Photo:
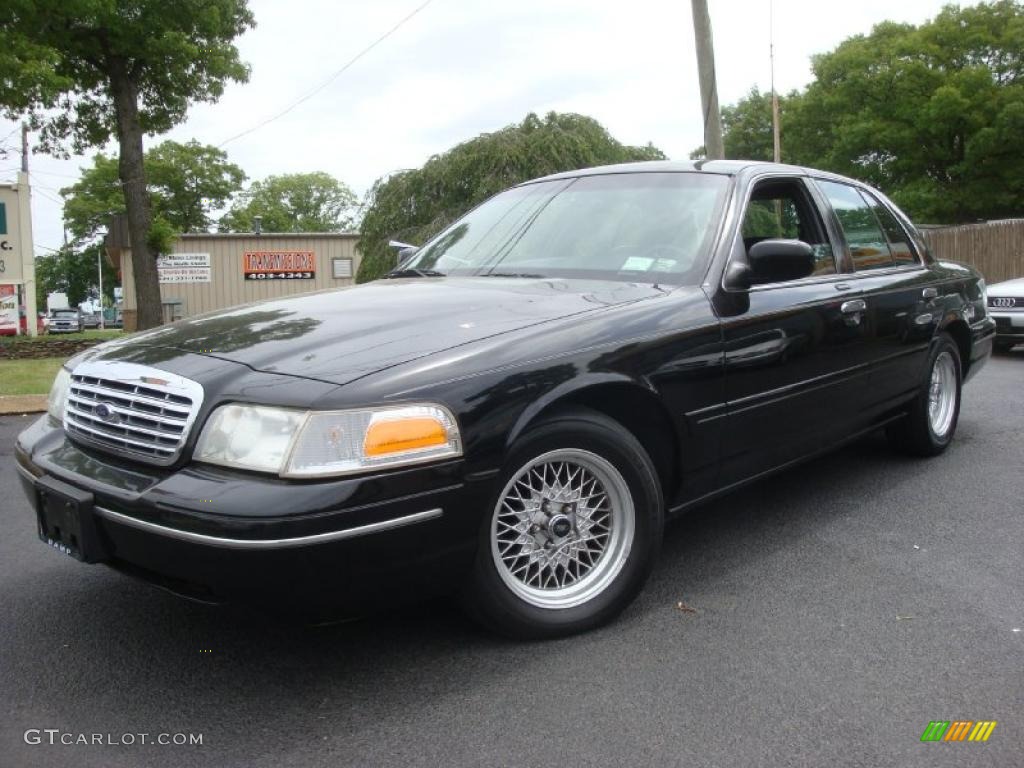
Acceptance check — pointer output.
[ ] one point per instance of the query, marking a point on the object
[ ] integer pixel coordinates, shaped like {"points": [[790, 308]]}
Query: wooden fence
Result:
{"points": [[994, 247]]}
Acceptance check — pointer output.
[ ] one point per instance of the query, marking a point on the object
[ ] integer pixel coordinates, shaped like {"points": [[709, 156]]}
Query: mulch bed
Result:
{"points": [[21, 404], [35, 350]]}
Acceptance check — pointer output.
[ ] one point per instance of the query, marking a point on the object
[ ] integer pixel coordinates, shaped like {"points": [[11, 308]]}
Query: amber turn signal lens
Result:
{"points": [[384, 437]]}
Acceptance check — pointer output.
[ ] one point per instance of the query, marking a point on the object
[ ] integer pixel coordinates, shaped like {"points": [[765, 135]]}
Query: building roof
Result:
{"points": [[250, 235]]}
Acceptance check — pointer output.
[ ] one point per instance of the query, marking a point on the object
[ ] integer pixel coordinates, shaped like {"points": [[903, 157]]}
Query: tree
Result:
{"points": [[186, 182], [931, 114], [295, 202], [414, 205], [74, 272], [86, 70], [747, 126]]}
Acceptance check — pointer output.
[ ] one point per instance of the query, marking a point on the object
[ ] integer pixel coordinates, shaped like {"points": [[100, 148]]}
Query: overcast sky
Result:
{"points": [[462, 67]]}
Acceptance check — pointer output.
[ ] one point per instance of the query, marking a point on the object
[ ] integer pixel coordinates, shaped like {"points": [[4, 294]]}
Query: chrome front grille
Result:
{"points": [[131, 410]]}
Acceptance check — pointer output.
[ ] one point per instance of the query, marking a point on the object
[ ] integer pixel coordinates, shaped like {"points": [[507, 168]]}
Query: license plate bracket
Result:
{"points": [[66, 520]]}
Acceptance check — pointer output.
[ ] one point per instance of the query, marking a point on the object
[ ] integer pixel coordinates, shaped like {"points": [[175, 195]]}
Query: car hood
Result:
{"points": [[341, 335], [1014, 288]]}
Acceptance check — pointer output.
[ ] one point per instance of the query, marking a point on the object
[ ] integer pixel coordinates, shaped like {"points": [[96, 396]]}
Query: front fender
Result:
{"points": [[572, 388]]}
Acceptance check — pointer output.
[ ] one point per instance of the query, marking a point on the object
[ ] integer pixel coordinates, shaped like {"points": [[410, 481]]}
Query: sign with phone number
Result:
{"points": [[280, 275], [279, 265]]}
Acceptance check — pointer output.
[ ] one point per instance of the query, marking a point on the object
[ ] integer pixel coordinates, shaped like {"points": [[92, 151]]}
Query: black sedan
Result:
{"points": [[514, 413]]}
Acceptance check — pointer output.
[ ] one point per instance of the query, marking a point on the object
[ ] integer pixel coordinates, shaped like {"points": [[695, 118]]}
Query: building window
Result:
{"points": [[341, 268]]}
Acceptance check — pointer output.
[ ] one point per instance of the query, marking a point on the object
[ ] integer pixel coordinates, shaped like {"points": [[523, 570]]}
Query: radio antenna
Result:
{"points": [[776, 145]]}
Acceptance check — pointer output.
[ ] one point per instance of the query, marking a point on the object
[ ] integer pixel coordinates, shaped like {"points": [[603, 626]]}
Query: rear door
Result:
{"points": [[795, 361], [898, 291]]}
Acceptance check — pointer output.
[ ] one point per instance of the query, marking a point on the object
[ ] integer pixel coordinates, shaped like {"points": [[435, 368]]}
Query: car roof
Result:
{"points": [[719, 167]]}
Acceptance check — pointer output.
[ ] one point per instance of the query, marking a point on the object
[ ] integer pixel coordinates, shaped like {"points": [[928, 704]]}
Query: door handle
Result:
{"points": [[930, 293], [853, 306]]}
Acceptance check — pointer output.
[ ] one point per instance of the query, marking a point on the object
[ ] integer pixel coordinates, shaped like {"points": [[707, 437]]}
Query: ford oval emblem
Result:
{"points": [[105, 413]]}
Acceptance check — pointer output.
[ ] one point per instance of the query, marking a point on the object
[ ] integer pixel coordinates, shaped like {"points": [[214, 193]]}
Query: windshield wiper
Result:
{"points": [[413, 272], [511, 274]]}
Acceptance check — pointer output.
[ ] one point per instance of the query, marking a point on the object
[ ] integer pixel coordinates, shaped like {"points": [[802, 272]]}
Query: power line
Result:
{"points": [[46, 196], [329, 80]]}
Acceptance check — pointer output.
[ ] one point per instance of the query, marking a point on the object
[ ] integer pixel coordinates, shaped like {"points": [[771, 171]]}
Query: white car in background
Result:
{"points": [[1006, 305]]}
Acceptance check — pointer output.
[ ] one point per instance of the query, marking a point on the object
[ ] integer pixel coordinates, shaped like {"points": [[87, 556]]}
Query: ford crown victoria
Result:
{"points": [[514, 412]]}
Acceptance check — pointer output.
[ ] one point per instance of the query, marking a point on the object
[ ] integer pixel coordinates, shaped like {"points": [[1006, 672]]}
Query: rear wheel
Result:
{"points": [[573, 531], [929, 427]]}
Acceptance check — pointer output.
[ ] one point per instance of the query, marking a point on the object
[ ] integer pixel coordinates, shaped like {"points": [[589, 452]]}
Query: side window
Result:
{"points": [[899, 241], [869, 248], [781, 208]]}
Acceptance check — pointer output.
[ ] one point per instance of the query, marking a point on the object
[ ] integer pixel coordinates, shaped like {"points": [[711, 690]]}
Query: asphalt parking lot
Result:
{"points": [[828, 615]]}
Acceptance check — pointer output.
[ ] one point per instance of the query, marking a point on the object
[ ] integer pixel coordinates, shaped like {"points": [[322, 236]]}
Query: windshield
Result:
{"points": [[637, 227], [67, 315]]}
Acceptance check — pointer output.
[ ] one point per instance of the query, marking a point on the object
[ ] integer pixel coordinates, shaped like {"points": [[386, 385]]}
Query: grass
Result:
{"points": [[28, 377], [106, 333]]}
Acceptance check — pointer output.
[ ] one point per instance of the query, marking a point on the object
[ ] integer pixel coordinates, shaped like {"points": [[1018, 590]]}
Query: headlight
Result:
{"points": [[249, 437], [302, 444], [58, 394]]}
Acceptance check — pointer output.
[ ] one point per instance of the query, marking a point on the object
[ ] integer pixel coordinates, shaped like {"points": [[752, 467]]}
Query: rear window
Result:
{"points": [[899, 241], [868, 245]]}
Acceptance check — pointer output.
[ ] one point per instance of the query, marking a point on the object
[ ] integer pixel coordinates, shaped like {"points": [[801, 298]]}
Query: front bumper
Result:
{"points": [[222, 535], [1009, 325]]}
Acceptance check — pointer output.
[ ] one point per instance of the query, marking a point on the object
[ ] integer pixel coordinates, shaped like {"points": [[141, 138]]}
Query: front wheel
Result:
{"points": [[573, 532], [929, 427]]}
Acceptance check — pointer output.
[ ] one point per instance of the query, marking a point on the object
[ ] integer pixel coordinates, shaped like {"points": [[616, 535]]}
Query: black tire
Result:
{"points": [[492, 601], [1002, 347], [915, 434]]}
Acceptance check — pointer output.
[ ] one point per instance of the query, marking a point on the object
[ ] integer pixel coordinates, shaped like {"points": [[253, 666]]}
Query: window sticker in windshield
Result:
{"points": [[644, 264]]}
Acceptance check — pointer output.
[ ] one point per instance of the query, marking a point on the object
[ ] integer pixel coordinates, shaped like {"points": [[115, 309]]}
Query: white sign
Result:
{"points": [[184, 274], [184, 268], [174, 260], [10, 236]]}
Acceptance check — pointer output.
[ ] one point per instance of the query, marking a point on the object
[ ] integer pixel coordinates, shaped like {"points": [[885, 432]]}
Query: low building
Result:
{"points": [[207, 271]]}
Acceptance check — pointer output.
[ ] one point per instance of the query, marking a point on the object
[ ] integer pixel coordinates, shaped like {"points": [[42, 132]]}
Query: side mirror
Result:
{"points": [[405, 251], [772, 261]]}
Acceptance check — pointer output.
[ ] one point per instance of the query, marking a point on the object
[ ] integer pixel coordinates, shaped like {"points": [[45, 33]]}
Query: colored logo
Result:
{"points": [[958, 730]]}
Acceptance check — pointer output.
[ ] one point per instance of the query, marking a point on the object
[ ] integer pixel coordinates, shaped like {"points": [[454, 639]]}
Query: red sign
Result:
{"points": [[279, 265]]}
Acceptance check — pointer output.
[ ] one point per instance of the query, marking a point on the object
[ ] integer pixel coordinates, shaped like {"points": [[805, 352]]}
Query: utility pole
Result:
{"points": [[99, 264], [713, 143], [27, 251]]}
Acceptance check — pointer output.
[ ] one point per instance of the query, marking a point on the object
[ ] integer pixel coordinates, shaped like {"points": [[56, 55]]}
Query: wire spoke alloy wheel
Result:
{"points": [[942, 394], [562, 528]]}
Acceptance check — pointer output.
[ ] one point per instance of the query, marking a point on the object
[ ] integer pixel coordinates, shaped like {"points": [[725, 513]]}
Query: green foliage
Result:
{"points": [[747, 126], [933, 114], [186, 183], [74, 272], [84, 71], [296, 202], [58, 59], [414, 205]]}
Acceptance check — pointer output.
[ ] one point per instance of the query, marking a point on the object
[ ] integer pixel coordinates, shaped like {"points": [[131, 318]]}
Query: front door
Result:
{"points": [[795, 352]]}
